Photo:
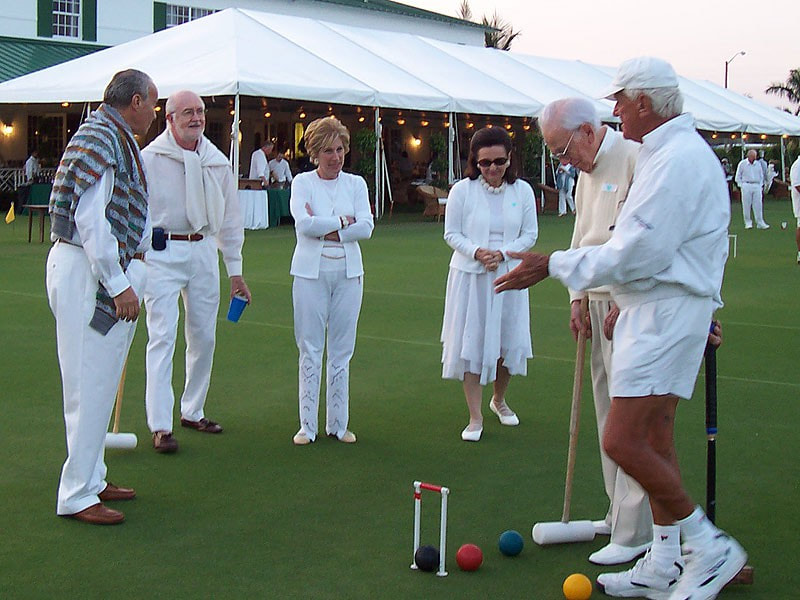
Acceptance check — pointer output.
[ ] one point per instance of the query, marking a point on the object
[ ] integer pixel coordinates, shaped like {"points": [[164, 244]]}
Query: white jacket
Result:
{"points": [[466, 222], [671, 236], [351, 199]]}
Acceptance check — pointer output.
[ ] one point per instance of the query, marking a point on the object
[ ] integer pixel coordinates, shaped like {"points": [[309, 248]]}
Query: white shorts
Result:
{"points": [[658, 347]]}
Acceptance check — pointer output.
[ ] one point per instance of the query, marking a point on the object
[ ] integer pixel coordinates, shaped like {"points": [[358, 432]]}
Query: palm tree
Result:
{"points": [[790, 90], [499, 33]]}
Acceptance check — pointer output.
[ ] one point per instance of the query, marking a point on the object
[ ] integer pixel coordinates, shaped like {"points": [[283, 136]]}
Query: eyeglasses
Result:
{"points": [[499, 162], [191, 112], [563, 153]]}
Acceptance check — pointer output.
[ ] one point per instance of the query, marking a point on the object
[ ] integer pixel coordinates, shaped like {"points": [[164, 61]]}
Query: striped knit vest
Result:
{"points": [[103, 141]]}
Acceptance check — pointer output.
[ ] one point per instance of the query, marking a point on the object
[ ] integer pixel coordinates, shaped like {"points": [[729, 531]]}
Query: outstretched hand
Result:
{"points": [[530, 271]]}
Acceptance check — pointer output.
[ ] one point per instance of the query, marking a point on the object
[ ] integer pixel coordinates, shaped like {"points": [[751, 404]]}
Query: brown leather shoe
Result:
{"points": [[97, 514], [114, 492], [164, 443], [203, 425]]}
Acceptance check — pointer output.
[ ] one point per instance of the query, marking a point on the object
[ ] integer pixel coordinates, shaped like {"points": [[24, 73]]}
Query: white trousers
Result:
{"points": [[565, 198], [189, 270], [629, 512], [752, 199], [91, 366], [332, 302]]}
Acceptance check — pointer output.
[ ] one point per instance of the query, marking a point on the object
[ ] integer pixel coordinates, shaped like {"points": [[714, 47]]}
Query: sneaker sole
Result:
{"points": [[641, 593]]}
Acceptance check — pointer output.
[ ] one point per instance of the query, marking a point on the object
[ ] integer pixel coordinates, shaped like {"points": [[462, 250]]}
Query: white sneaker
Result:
{"points": [[763, 226], [746, 226], [645, 580], [301, 439], [616, 554], [504, 413], [708, 569]]}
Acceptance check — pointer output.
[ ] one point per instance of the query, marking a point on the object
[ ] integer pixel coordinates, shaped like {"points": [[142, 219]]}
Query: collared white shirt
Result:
{"points": [[259, 165], [280, 170], [748, 172]]}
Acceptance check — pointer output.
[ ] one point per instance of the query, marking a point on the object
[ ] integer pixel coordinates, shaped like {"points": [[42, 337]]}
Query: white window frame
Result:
{"points": [[67, 19], [178, 14]]}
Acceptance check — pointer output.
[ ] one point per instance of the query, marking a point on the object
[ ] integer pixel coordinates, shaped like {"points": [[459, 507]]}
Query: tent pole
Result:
{"points": [[450, 139], [783, 160], [234, 153], [543, 176], [378, 168], [454, 125]]}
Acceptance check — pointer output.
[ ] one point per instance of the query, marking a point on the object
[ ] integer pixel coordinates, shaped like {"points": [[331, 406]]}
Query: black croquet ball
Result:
{"points": [[426, 558]]}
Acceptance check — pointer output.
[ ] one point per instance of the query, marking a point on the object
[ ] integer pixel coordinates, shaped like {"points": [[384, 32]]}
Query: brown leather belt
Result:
{"points": [[184, 237], [138, 256]]}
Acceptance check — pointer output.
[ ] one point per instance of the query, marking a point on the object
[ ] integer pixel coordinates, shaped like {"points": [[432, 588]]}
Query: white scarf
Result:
{"points": [[205, 201]]}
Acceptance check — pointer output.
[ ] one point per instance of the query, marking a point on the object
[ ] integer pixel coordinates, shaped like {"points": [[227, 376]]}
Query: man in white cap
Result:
{"points": [[664, 262], [607, 162]]}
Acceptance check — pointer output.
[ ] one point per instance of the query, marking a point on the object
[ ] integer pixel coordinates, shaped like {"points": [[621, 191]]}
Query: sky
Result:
{"points": [[696, 36]]}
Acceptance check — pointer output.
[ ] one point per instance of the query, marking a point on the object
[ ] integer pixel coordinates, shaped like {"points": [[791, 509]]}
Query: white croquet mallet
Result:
{"points": [[115, 439]]}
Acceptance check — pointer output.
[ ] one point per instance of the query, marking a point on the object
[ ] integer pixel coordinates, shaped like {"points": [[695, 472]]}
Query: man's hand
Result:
{"points": [[715, 335], [127, 305], [611, 321], [577, 321], [238, 286], [530, 272]]}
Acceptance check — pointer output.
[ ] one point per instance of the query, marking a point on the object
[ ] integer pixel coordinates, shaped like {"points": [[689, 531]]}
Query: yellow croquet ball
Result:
{"points": [[577, 587]]}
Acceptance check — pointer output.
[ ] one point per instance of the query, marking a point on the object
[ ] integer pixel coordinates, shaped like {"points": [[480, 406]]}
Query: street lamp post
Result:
{"points": [[729, 61]]}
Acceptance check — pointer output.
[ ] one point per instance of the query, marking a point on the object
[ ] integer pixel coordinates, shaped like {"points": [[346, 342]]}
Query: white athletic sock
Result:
{"points": [[666, 548], [696, 529]]}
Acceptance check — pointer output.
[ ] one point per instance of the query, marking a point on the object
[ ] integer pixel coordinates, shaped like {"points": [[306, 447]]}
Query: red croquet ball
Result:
{"points": [[469, 557]]}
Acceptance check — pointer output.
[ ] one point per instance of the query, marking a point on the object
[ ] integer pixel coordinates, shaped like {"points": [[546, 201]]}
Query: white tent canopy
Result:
{"points": [[313, 60]]}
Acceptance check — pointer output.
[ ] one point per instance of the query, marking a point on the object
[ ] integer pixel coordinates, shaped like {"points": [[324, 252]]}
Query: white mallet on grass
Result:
{"points": [[566, 531], [115, 439]]}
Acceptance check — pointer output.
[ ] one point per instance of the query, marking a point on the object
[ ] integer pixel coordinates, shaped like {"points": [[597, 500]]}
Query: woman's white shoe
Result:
{"points": [[504, 413], [472, 435]]}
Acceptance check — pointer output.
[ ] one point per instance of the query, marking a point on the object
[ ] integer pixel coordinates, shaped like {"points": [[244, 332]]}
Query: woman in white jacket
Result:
{"points": [[331, 213], [486, 336]]}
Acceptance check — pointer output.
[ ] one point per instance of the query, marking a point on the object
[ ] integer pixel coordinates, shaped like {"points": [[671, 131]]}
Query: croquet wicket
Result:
{"points": [[444, 492]]}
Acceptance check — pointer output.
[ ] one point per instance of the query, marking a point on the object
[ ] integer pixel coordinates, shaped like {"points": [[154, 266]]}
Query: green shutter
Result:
{"points": [[89, 15], [44, 18], [159, 16]]}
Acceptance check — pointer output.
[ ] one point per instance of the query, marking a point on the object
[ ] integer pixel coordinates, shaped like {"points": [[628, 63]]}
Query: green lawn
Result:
{"points": [[248, 515]]}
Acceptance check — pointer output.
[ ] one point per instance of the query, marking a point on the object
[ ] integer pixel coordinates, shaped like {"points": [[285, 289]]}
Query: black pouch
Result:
{"points": [[159, 238]]}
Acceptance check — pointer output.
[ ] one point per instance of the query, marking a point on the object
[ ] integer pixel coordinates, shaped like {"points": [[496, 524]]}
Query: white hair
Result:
{"points": [[667, 101], [170, 107], [569, 114]]}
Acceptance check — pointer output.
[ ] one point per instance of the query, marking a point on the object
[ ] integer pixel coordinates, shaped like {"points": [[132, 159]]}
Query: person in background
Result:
{"points": [[279, 168], [750, 179], [607, 162], [32, 166], [332, 214], [565, 182], [664, 261], [794, 182], [259, 163], [487, 338], [195, 212], [772, 173], [95, 276]]}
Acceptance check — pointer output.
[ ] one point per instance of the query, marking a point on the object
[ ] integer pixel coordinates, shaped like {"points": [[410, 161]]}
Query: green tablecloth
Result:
{"points": [[35, 193], [278, 205]]}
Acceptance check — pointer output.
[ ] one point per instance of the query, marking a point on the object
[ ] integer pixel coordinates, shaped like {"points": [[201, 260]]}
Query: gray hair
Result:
{"points": [[125, 85], [569, 114], [667, 101]]}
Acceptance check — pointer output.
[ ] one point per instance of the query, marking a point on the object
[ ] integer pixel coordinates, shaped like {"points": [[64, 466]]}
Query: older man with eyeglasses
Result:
{"points": [[195, 210], [664, 262], [607, 161]]}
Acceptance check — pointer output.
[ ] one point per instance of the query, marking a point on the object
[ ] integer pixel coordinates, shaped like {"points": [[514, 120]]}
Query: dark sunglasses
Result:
{"points": [[486, 163]]}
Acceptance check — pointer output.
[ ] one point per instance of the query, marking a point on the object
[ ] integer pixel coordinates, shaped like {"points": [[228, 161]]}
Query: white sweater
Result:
{"points": [[671, 234], [600, 195]]}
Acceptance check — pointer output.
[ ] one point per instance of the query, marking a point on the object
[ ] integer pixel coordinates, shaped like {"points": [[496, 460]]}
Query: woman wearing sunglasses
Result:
{"points": [[486, 336]]}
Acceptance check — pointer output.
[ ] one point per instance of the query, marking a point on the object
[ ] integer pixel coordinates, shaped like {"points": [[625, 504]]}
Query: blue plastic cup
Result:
{"points": [[236, 308]]}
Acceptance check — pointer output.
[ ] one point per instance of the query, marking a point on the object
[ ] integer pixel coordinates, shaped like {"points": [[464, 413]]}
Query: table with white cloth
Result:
{"points": [[255, 210]]}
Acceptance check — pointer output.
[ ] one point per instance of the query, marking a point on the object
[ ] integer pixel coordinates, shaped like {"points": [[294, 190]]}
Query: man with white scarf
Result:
{"points": [[194, 211]]}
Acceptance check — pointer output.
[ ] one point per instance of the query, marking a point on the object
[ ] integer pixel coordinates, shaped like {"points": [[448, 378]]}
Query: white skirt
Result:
{"points": [[481, 327]]}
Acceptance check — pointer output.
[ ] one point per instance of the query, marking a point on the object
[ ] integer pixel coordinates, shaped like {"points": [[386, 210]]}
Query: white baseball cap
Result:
{"points": [[642, 72]]}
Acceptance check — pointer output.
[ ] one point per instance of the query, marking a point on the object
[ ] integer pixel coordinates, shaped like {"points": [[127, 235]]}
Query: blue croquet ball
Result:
{"points": [[511, 543], [426, 558]]}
